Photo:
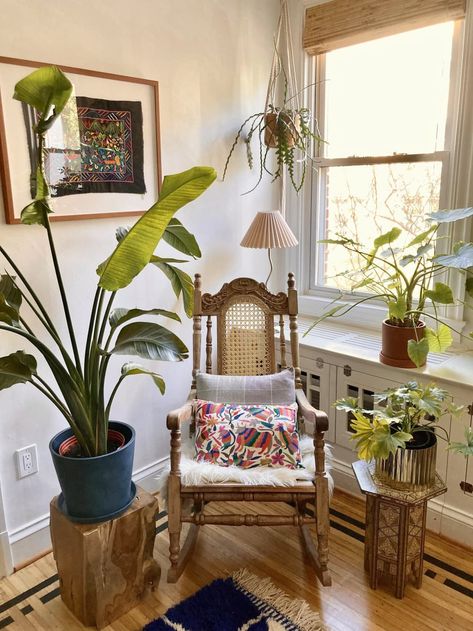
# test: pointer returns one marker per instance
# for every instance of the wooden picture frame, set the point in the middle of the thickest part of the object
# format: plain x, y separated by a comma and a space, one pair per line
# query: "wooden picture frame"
15, 166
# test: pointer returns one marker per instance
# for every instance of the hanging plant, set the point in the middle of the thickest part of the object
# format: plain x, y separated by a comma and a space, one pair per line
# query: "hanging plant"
283, 125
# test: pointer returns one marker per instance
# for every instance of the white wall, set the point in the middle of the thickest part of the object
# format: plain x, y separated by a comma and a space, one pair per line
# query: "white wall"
212, 59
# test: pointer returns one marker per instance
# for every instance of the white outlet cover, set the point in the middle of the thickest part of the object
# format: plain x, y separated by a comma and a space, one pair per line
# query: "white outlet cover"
26, 461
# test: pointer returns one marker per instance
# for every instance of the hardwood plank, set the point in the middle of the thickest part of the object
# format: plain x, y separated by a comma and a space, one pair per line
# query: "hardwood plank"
349, 605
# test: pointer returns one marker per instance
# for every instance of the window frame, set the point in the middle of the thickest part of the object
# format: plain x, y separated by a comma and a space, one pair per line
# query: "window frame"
303, 209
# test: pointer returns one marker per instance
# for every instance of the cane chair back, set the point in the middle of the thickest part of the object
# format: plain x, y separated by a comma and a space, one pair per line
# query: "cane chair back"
248, 318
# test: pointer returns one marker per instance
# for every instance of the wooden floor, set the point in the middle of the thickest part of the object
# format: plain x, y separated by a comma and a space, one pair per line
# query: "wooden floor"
29, 598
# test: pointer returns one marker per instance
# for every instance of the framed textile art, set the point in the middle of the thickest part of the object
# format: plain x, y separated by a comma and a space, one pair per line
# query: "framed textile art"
102, 157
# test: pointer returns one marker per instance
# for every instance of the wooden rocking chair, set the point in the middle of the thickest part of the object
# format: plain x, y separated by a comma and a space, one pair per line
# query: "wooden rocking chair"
245, 304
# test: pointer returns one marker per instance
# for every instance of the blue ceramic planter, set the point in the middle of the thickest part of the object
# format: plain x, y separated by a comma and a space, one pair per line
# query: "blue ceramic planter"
98, 488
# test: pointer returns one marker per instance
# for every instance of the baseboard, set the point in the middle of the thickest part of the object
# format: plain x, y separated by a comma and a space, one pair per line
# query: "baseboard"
443, 519
32, 538
344, 477
456, 524
147, 477
6, 562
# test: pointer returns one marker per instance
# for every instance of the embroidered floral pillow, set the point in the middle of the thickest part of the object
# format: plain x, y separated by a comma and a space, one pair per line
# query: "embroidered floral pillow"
247, 435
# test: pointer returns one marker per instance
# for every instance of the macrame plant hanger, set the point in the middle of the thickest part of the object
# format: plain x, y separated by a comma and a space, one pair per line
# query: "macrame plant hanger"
290, 92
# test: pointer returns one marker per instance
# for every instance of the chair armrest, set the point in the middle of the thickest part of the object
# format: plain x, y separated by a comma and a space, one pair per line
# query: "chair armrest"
310, 414
185, 413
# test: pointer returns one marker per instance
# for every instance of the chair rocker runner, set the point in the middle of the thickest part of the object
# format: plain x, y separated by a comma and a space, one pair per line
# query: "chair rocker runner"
245, 313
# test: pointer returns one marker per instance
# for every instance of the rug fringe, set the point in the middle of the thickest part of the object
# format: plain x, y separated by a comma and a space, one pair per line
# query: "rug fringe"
297, 610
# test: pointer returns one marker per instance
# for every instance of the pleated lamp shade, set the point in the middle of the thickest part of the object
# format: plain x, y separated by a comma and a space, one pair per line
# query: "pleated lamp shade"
269, 230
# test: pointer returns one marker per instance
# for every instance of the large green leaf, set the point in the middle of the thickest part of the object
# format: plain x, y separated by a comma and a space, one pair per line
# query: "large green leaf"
421, 237
418, 351
397, 308
180, 282
462, 258
181, 239
387, 237
441, 293
466, 448
35, 213
7, 314
16, 368
374, 438
150, 341
135, 369
134, 251
439, 340
45, 88
362, 283
10, 301
446, 216
42, 188
10, 291
120, 315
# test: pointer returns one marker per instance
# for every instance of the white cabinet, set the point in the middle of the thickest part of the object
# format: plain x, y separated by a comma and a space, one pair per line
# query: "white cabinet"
332, 374
316, 376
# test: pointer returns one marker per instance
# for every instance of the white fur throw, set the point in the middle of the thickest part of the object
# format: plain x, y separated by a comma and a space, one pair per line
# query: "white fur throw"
197, 473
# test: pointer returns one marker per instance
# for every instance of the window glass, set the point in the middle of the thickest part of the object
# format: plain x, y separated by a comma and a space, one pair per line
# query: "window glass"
362, 202
389, 95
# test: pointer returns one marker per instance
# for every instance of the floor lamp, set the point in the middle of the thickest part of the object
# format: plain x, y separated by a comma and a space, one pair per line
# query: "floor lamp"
269, 230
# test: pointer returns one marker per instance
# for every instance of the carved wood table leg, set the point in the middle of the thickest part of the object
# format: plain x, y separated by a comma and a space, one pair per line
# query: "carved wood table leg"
395, 528
104, 569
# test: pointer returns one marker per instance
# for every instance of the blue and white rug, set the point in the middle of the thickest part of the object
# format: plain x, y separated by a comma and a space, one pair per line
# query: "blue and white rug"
241, 602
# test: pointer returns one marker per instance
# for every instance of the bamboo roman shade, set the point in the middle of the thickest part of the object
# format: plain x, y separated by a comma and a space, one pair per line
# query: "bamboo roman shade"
341, 23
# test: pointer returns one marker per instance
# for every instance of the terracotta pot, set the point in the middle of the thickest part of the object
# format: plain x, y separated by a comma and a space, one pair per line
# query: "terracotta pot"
278, 124
411, 468
394, 344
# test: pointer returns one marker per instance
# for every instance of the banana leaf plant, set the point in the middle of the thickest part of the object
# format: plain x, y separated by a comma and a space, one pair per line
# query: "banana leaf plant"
78, 390
406, 280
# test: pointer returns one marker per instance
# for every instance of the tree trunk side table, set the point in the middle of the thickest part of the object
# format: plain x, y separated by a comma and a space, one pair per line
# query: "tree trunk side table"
395, 528
105, 568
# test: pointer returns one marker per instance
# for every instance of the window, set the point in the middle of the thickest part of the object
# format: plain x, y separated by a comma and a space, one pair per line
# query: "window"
384, 110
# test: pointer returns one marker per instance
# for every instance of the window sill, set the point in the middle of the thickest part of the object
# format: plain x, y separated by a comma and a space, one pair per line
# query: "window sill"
351, 343
368, 316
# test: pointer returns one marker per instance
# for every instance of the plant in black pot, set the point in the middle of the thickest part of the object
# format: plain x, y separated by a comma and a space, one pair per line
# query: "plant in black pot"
401, 432
94, 457
406, 279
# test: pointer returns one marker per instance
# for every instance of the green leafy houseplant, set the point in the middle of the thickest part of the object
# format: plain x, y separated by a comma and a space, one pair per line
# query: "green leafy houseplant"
288, 131
283, 124
399, 414
79, 389
406, 280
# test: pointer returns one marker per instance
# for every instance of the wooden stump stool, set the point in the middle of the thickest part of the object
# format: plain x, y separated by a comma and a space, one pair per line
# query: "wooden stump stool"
104, 569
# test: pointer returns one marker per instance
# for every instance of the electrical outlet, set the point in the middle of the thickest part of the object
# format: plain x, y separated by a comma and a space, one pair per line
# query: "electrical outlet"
26, 461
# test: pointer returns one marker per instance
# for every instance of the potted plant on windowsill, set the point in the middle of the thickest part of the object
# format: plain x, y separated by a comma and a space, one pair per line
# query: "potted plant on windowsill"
406, 280
400, 434
94, 458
